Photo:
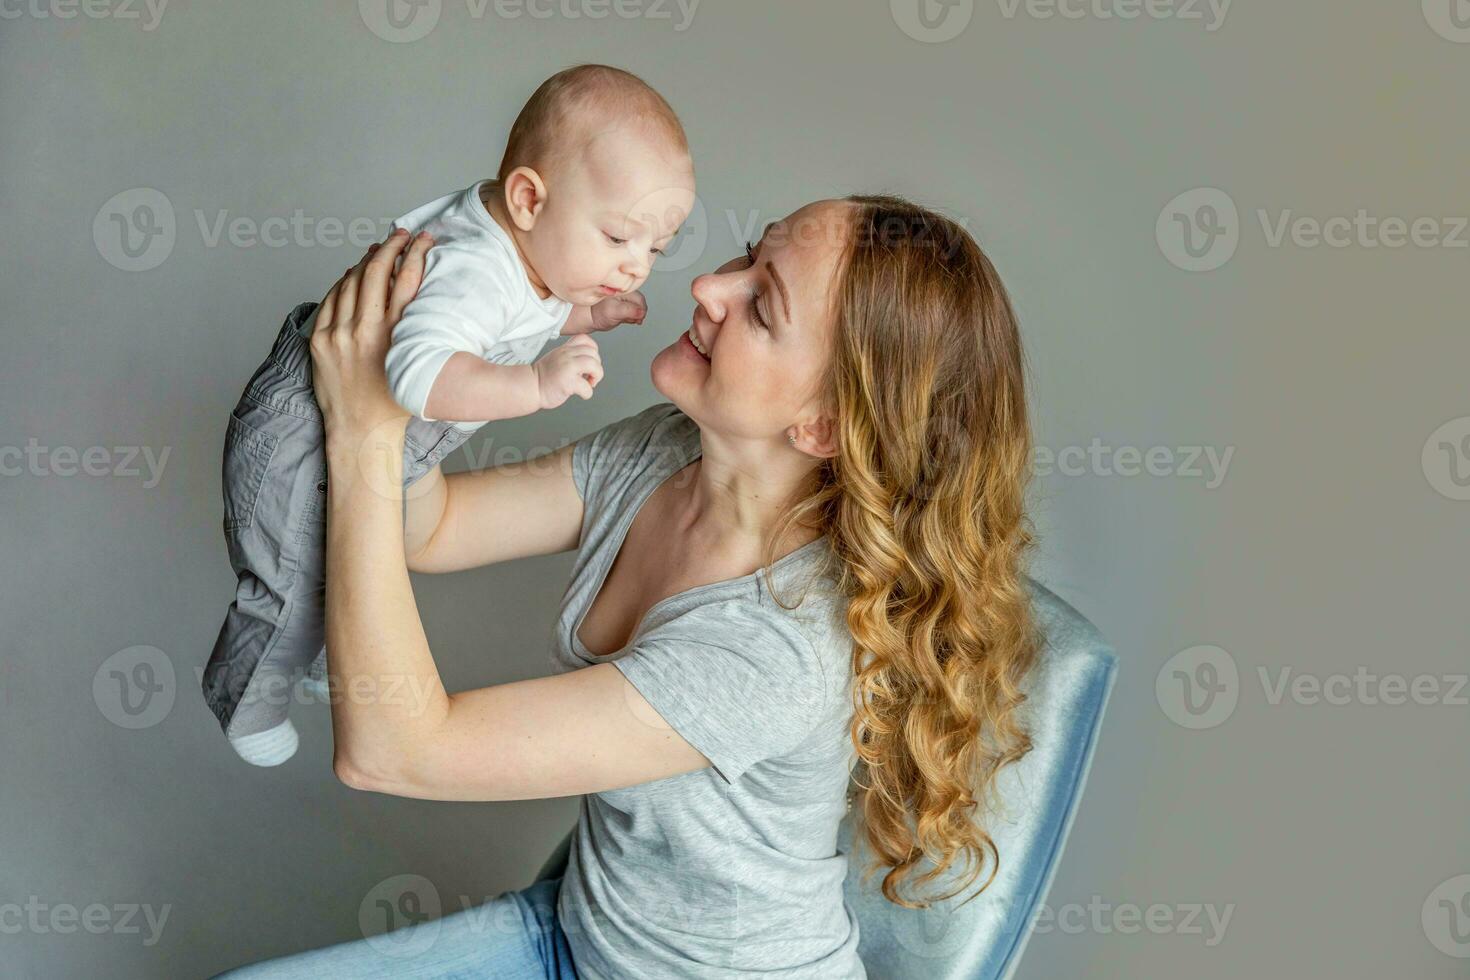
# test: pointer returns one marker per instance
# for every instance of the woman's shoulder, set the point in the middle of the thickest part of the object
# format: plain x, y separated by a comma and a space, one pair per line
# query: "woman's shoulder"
745, 634
798, 611
659, 434
817, 609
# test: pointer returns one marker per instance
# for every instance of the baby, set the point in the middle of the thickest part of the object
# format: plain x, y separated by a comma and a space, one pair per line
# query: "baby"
595, 180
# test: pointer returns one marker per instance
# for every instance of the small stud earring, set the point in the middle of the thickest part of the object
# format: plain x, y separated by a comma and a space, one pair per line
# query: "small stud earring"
791, 438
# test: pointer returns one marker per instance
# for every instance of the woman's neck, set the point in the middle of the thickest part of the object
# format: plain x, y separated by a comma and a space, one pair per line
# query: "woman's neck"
732, 504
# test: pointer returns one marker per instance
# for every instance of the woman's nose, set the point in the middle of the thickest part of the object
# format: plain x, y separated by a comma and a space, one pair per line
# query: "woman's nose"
708, 294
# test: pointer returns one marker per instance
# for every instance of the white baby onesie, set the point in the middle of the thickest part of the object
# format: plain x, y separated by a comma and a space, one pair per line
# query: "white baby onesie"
475, 297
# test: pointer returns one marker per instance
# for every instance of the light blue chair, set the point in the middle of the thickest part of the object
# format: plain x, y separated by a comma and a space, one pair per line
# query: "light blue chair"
985, 937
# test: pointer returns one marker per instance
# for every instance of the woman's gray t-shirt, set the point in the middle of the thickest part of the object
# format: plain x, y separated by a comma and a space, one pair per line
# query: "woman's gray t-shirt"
731, 870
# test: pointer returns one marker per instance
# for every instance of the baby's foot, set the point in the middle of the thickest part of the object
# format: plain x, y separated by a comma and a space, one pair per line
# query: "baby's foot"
270, 747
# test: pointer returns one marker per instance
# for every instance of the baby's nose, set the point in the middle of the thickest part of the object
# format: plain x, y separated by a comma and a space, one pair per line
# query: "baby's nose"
637, 267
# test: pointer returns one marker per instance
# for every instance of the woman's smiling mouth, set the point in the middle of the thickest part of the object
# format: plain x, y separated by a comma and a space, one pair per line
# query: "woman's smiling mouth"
693, 339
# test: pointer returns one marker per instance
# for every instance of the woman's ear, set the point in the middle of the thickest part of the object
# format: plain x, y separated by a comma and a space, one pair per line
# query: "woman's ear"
525, 196
818, 438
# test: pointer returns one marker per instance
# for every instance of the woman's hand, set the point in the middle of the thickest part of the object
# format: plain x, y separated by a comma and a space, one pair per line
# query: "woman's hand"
353, 328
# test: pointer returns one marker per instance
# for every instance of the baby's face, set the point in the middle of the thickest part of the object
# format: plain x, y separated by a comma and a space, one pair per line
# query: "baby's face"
608, 216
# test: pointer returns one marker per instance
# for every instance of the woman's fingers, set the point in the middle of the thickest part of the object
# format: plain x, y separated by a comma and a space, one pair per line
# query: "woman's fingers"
346, 298
377, 266
372, 292
409, 276
325, 310
348, 289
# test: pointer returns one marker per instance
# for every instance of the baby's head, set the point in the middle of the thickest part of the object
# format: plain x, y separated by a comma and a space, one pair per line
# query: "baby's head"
596, 179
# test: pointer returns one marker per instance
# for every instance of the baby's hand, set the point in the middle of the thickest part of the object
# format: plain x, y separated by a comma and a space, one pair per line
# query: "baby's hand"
622, 308
573, 368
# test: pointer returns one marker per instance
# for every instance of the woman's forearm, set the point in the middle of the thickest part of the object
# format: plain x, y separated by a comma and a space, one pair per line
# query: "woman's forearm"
388, 689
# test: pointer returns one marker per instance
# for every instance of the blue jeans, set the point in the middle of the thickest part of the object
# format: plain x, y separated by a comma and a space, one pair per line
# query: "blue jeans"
515, 936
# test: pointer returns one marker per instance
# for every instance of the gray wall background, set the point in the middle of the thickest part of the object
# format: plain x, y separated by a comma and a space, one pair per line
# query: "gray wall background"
1333, 543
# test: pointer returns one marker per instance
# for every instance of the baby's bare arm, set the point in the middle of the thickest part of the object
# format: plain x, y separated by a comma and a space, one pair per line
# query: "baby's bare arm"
471, 389
579, 322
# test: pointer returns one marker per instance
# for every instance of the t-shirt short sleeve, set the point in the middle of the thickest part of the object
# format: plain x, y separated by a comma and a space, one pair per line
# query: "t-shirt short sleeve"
617, 452
736, 680
462, 305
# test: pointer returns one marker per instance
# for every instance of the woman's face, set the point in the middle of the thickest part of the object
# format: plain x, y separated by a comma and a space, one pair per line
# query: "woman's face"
766, 324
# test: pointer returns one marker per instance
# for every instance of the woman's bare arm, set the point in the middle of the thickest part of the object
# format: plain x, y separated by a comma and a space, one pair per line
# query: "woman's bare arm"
480, 517
396, 729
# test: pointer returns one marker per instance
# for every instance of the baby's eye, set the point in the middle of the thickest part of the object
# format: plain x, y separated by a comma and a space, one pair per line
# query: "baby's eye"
617, 241
657, 251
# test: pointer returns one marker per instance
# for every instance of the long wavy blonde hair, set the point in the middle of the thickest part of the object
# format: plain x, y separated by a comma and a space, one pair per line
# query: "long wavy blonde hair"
923, 504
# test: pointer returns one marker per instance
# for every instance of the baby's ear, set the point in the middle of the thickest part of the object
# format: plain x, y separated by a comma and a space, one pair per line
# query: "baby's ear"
525, 196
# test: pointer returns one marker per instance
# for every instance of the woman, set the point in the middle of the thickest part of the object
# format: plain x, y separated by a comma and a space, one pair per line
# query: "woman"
809, 554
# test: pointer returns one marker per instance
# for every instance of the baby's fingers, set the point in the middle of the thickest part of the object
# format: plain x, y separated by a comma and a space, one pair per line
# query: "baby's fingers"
591, 370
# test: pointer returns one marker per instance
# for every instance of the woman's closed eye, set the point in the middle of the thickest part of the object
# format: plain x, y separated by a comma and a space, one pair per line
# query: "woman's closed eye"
755, 310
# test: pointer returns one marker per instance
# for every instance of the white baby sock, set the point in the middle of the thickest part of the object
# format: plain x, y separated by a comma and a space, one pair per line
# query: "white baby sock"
270, 747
